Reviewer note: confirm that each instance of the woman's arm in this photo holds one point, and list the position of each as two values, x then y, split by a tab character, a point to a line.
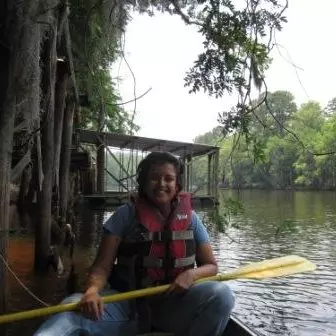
92	305
206	262
103	263
114	229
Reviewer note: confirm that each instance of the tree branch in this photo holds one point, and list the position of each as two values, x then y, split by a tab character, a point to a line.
129	101
20	166
184	17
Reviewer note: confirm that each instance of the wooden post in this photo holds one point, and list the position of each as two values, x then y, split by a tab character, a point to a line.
101	153
212	174
136	160
209	175
136	165
120	171
183	160
188	172
100	168
105	168
123	168
216	172
132	168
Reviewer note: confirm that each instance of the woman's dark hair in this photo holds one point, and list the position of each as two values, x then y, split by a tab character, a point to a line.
157	158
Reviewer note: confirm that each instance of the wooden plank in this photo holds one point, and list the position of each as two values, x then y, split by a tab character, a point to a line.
119	198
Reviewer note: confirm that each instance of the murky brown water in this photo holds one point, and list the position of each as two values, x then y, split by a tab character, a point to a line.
273	224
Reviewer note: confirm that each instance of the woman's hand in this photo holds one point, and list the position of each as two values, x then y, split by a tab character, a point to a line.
182	282
92	305
207	266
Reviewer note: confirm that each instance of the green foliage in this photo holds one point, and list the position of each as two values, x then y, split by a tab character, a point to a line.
237	41
330	108
281	149
288	225
221	216
272	116
238	37
209	137
96	29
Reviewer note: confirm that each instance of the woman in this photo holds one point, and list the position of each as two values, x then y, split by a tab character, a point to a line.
156	238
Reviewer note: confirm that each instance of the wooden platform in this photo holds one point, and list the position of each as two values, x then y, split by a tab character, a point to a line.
123	141
111	199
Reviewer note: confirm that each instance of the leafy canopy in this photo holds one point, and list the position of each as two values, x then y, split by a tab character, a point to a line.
238	36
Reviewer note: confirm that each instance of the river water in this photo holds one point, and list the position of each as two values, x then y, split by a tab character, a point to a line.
272	224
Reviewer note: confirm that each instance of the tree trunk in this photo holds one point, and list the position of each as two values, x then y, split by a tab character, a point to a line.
24	190
39	162
19	168
37	171
7	113
42	233
19	36
61	87
65	158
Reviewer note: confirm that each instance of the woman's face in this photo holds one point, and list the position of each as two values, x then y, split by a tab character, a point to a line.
161	185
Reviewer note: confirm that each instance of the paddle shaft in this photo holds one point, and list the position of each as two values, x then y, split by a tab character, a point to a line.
258	270
61	308
65	307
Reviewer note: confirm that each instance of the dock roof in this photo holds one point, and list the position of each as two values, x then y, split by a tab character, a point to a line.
123	141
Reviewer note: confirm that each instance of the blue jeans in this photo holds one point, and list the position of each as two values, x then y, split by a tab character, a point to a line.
204	310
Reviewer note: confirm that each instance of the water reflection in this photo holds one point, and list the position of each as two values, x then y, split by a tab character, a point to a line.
297	305
272	224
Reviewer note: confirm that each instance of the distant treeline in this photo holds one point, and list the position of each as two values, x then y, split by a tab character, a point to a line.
285	147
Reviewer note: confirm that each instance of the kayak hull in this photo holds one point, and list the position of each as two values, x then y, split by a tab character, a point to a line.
236	328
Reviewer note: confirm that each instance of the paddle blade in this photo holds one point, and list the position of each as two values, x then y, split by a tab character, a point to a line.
282	271
271	268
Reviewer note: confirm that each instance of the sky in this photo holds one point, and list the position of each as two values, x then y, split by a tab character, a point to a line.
161	49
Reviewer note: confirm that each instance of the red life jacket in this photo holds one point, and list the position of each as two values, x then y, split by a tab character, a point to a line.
162	248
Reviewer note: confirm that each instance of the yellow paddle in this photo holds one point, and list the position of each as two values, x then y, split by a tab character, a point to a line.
258	270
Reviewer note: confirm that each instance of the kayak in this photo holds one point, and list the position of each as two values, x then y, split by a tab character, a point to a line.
236	328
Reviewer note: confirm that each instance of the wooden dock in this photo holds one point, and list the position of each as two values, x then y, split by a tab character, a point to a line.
114	199
117	157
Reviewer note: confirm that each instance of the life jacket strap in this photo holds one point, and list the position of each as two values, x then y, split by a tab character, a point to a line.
163	236
154	262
